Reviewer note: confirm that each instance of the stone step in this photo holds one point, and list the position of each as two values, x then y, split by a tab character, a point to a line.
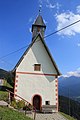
48	108
3	103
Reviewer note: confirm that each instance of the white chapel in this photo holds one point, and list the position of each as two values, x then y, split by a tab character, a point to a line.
36	73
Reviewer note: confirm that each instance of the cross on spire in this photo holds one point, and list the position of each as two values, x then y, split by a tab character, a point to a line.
40	6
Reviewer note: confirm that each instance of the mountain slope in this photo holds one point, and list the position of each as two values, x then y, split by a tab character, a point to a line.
70	87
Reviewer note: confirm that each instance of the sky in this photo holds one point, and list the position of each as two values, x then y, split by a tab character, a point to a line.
16	19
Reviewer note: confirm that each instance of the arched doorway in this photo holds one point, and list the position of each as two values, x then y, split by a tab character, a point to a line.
37	102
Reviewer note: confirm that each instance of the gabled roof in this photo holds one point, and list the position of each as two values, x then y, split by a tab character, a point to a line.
34	40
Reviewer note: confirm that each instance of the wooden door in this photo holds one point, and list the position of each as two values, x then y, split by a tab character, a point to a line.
37	102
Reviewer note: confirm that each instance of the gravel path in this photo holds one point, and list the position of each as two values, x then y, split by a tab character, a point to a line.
53	116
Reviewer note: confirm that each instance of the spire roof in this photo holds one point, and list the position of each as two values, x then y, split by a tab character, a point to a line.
39	21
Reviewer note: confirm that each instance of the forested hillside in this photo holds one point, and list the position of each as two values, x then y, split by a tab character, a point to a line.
7	75
69	107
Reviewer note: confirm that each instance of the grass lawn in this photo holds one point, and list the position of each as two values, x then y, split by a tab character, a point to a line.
67	116
9	114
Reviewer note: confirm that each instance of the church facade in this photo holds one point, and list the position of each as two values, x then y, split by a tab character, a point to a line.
36	73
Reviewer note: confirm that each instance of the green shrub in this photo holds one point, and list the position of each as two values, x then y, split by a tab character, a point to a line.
20	104
13	104
3	95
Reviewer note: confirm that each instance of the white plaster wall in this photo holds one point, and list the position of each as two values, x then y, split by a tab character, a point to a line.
37	54
28	84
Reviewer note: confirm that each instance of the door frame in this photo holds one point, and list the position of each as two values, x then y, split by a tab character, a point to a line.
40	100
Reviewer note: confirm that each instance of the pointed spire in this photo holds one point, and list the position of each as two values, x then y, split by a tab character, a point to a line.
39	21
38	26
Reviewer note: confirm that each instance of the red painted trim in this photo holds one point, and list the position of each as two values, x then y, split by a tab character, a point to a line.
56	81
56	85
15	85
15	90
56	99
56	89
16	81
36	73
56	94
57	106
16	76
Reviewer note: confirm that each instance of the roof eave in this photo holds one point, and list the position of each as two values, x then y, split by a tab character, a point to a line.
58	72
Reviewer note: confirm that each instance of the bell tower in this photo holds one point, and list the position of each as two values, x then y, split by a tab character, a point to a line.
38	26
